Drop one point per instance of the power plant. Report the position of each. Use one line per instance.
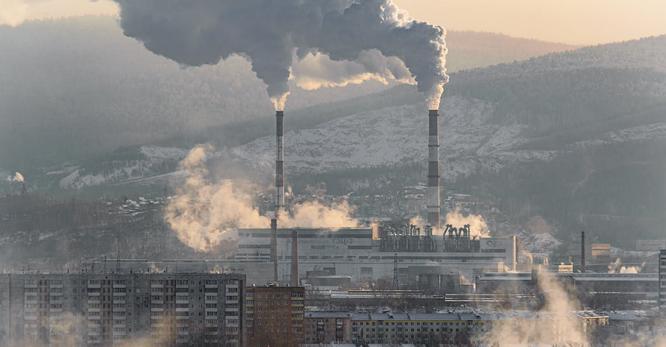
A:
(356, 253)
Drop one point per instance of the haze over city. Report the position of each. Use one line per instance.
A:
(332, 173)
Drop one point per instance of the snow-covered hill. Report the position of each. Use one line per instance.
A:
(149, 163)
(394, 137)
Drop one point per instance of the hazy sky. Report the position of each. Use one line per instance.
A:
(569, 21)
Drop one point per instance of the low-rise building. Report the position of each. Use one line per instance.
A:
(429, 329)
(327, 327)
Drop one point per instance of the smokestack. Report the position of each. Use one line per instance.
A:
(279, 162)
(274, 248)
(433, 171)
(514, 258)
(279, 187)
(294, 258)
(582, 251)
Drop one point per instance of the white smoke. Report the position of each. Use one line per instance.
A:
(618, 267)
(314, 214)
(369, 37)
(316, 70)
(554, 325)
(18, 177)
(204, 213)
(477, 224)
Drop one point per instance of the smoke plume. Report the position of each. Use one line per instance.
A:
(477, 224)
(18, 177)
(370, 36)
(617, 267)
(554, 325)
(314, 214)
(203, 212)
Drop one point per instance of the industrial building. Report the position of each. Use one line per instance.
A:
(97, 309)
(354, 252)
(597, 290)
(662, 282)
(274, 316)
(430, 329)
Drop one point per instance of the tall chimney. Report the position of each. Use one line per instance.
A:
(582, 251)
(279, 162)
(279, 187)
(274, 248)
(433, 171)
(294, 258)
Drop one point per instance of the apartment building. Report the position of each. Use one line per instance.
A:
(274, 316)
(95, 309)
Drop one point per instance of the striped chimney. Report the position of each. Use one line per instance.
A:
(279, 162)
(432, 193)
(279, 187)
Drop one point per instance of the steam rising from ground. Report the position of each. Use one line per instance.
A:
(554, 325)
(203, 213)
(477, 224)
(372, 38)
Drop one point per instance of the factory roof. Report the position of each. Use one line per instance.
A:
(464, 315)
(326, 314)
(310, 232)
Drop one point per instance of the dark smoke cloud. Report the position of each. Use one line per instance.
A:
(269, 32)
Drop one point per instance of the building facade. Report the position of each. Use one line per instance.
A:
(95, 309)
(465, 328)
(662, 282)
(355, 252)
(327, 327)
(274, 316)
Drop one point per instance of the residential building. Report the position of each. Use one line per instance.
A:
(101, 309)
(274, 316)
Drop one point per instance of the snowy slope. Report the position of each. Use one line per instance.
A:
(393, 136)
(150, 163)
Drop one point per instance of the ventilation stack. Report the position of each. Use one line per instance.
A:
(294, 258)
(433, 171)
(279, 188)
(582, 251)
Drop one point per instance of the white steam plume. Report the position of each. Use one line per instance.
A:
(477, 224)
(18, 177)
(317, 71)
(204, 213)
(617, 267)
(554, 325)
(269, 33)
(314, 214)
